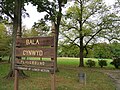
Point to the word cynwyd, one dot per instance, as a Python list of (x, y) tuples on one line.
[(33, 52)]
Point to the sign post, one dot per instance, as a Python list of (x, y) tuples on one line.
[(16, 80), (42, 47)]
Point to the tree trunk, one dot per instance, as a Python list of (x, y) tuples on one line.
[(56, 48), (16, 33), (81, 63)]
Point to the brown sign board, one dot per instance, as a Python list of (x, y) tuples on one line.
[(35, 41), (35, 52), (43, 47)]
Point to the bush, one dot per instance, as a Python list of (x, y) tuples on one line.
[(102, 63), (90, 63), (116, 62)]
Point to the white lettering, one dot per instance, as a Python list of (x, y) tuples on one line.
[(33, 52), (32, 42)]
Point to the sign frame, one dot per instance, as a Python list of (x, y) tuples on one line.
[(35, 47)]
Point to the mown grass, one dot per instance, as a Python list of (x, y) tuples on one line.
[(66, 79), (75, 62)]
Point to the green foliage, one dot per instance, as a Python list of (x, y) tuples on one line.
[(7, 9), (112, 32), (115, 49), (41, 27), (68, 51), (116, 62), (52, 8), (90, 63), (80, 28), (30, 33), (99, 50), (102, 63), (102, 50), (5, 41)]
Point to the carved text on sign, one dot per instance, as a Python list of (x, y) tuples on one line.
[(28, 62), (33, 52), (32, 42), (32, 69)]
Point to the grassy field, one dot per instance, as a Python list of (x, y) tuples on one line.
[(66, 79), (75, 62)]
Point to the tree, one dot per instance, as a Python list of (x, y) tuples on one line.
[(54, 13), (12, 10), (82, 23)]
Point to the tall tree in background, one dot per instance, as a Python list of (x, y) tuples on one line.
[(83, 22), (54, 13)]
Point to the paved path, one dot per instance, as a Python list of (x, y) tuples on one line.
[(115, 75)]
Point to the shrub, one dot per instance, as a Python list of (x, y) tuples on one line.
[(116, 62), (90, 63), (102, 63)]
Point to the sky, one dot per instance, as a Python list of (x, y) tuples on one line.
[(35, 16)]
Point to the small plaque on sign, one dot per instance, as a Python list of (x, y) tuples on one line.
[(34, 69)]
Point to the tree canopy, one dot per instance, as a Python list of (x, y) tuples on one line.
[(85, 22)]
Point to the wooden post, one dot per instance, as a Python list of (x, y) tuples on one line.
[(53, 81), (53, 77), (16, 80)]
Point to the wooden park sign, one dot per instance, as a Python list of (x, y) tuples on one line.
[(43, 47)]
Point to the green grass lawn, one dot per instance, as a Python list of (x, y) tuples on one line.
[(66, 79), (75, 62)]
